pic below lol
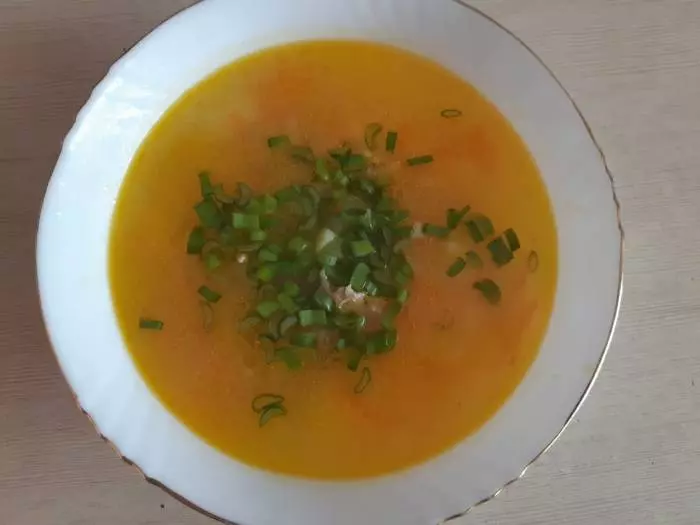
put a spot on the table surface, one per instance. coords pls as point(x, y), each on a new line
point(632, 455)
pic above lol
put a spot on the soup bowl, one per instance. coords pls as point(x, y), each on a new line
point(72, 256)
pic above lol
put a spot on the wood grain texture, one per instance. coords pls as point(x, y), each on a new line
point(633, 454)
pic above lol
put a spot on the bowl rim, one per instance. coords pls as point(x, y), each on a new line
point(603, 353)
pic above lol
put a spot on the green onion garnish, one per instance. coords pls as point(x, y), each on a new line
point(359, 277)
point(480, 227)
point(303, 153)
point(289, 357)
point(209, 295)
point(196, 240)
point(473, 260)
point(264, 401)
point(291, 289)
point(454, 217)
point(279, 140)
point(489, 289)
point(416, 161)
point(245, 221)
point(361, 248)
point(500, 253)
point(391, 139)
point(512, 239)
point(372, 131)
point(308, 246)
point(304, 339)
point(271, 412)
point(364, 382)
point(150, 324)
point(312, 318)
point(324, 300)
point(288, 322)
point(205, 186)
point(287, 303)
point(208, 213)
point(267, 308)
point(456, 267)
point(450, 113)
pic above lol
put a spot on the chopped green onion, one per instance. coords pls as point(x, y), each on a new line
point(512, 239)
point(324, 300)
point(354, 360)
point(391, 139)
point(287, 303)
point(361, 248)
point(432, 230)
point(454, 217)
point(150, 324)
point(264, 401)
point(196, 240)
point(288, 322)
point(332, 251)
point(266, 273)
point(221, 196)
point(489, 289)
point(358, 280)
point(212, 261)
point(269, 204)
point(355, 163)
point(205, 184)
point(416, 161)
point(304, 339)
point(500, 253)
point(364, 382)
point(244, 193)
point(372, 131)
point(390, 313)
point(402, 296)
point(322, 170)
point(277, 141)
point(208, 213)
point(258, 236)
point(480, 228)
point(291, 288)
point(298, 244)
point(450, 113)
point(243, 221)
point(289, 356)
point(381, 342)
point(473, 260)
point(289, 194)
point(533, 261)
point(267, 308)
point(267, 255)
point(312, 318)
point(209, 294)
point(271, 412)
point(456, 267)
point(303, 153)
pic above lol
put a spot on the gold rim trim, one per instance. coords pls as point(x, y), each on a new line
point(618, 301)
point(586, 391)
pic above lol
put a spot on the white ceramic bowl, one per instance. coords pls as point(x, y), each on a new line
point(73, 239)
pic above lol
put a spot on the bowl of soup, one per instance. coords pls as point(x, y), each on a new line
point(339, 262)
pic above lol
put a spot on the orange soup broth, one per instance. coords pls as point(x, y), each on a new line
point(458, 358)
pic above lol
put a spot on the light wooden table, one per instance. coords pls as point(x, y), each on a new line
point(633, 454)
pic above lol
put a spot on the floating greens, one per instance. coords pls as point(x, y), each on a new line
point(325, 258)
